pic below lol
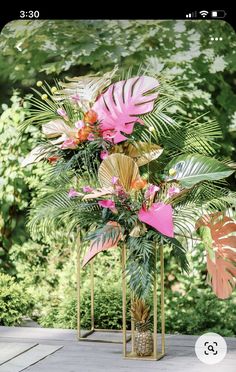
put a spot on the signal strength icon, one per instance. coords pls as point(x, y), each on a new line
point(191, 15)
point(203, 13)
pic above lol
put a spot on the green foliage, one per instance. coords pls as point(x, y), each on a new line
point(14, 301)
point(191, 306)
point(198, 311)
point(176, 50)
point(192, 169)
point(16, 183)
point(179, 53)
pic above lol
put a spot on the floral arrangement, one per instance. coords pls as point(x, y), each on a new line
point(129, 173)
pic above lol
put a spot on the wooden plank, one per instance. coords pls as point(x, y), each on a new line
point(38, 333)
point(107, 336)
point(29, 358)
point(9, 350)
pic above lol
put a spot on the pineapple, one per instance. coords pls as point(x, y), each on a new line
point(143, 342)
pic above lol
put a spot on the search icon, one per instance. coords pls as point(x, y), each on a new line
point(210, 348)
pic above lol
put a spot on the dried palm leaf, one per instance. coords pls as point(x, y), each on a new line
point(121, 166)
point(138, 230)
point(98, 193)
point(56, 128)
point(35, 155)
point(141, 152)
point(86, 87)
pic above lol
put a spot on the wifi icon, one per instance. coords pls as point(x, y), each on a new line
point(203, 13)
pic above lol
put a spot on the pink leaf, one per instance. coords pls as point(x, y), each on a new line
point(221, 267)
point(101, 243)
point(120, 106)
point(159, 216)
point(73, 193)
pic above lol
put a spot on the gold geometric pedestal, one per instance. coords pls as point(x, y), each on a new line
point(92, 330)
point(158, 352)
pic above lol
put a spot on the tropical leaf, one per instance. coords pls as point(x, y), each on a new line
point(121, 166)
point(56, 128)
point(120, 106)
point(218, 235)
point(191, 169)
point(98, 193)
point(140, 264)
point(37, 154)
point(193, 136)
point(105, 238)
point(87, 88)
point(159, 216)
point(179, 252)
point(141, 152)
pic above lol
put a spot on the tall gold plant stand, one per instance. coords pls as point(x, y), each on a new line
point(158, 351)
point(85, 335)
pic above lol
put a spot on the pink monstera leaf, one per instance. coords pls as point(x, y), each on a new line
point(119, 107)
point(159, 216)
point(218, 235)
point(108, 237)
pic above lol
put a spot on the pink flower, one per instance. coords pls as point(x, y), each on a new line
point(151, 190)
point(173, 191)
point(108, 203)
point(114, 180)
point(62, 112)
point(69, 143)
point(79, 124)
point(91, 137)
point(75, 98)
point(104, 154)
point(73, 193)
point(87, 189)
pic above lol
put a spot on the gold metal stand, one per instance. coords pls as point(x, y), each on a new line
point(92, 330)
point(156, 354)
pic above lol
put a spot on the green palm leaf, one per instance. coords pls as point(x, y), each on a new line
point(191, 169)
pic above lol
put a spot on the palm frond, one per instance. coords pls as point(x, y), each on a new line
point(57, 209)
point(140, 265)
point(179, 252)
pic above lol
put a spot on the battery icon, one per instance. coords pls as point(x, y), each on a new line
point(218, 14)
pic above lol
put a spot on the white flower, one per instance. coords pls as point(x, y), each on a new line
point(155, 65)
point(209, 53)
point(218, 65)
point(178, 43)
point(195, 37)
point(179, 26)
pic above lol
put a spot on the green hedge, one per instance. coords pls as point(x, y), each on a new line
point(50, 278)
point(14, 301)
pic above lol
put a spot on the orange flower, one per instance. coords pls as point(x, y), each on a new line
point(138, 184)
point(90, 117)
point(83, 133)
point(53, 159)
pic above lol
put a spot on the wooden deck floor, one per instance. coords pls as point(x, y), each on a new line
point(57, 350)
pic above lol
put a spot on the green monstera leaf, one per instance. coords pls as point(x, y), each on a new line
point(191, 169)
